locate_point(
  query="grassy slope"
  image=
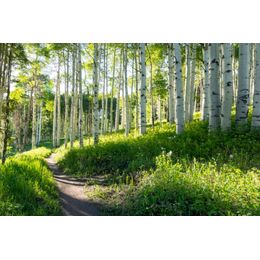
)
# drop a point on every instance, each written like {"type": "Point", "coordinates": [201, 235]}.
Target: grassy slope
{"type": "Point", "coordinates": [27, 187]}
{"type": "Point", "coordinates": [196, 173]}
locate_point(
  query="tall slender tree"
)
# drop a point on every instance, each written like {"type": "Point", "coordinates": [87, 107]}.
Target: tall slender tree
{"type": "Point", "coordinates": [80, 97]}
{"type": "Point", "coordinates": [171, 82]}
{"type": "Point", "coordinates": [143, 90]}
{"type": "Point", "coordinates": [112, 91]}
{"type": "Point", "coordinates": [179, 91]}
{"type": "Point", "coordinates": [214, 97]}
{"type": "Point", "coordinates": [127, 125]}
{"type": "Point", "coordinates": [256, 103]}
{"type": "Point", "coordinates": [243, 85]}
{"type": "Point", "coordinates": [205, 98]}
{"type": "Point", "coordinates": [9, 53]}
{"type": "Point", "coordinates": [188, 84]}
{"type": "Point", "coordinates": [95, 100]}
{"type": "Point", "coordinates": [228, 87]}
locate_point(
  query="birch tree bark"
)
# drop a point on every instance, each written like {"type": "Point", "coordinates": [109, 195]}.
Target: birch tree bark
{"type": "Point", "coordinates": [214, 97]}
{"type": "Point", "coordinates": [58, 105]}
{"type": "Point", "coordinates": [171, 83]}
{"type": "Point", "coordinates": [188, 86]}
{"type": "Point", "coordinates": [54, 123]}
{"type": "Point", "coordinates": [117, 119]}
{"type": "Point", "coordinates": [106, 92]}
{"type": "Point", "coordinates": [143, 90]}
{"type": "Point", "coordinates": [112, 92]}
{"type": "Point", "coordinates": [72, 105]}
{"type": "Point", "coordinates": [179, 91]}
{"type": "Point", "coordinates": [251, 73]}
{"type": "Point", "coordinates": [243, 85]}
{"type": "Point", "coordinates": [151, 95]}
{"type": "Point", "coordinates": [205, 97]}
{"type": "Point", "coordinates": [39, 124]}
{"type": "Point", "coordinates": [126, 93]}
{"type": "Point", "coordinates": [256, 103]}
{"type": "Point", "coordinates": [136, 90]}
{"type": "Point", "coordinates": [7, 110]}
{"type": "Point", "coordinates": [95, 100]}
{"type": "Point", "coordinates": [80, 97]}
{"type": "Point", "coordinates": [227, 87]}
{"type": "Point", "coordinates": [103, 90]}
{"type": "Point", "coordinates": [66, 127]}
{"type": "Point", "coordinates": [192, 81]}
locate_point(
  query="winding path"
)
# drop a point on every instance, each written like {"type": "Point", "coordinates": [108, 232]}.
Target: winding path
{"type": "Point", "coordinates": [71, 190]}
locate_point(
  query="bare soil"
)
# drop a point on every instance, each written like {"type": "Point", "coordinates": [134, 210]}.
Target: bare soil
{"type": "Point", "coordinates": [73, 200]}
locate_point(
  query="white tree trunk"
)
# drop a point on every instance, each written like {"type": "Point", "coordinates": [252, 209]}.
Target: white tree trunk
{"type": "Point", "coordinates": [256, 102]}
{"type": "Point", "coordinates": [106, 92]}
{"type": "Point", "coordinates": [58, 105]}
{"type": "Point", "coordinates": [34, 118]}
{"type": "Point", "coordinates": [143, 90]}
{"type": "Point", "coordinates": [243, 85]}
{"type": "Point", "coordinates": [95, 100]}
{"type": "Point", "coordinates": [252, 66]}
{"type": "Point", "coordinates": [136, 91]}
{"type": "Point", "coordinates": [192, 82]}
{"type": "Point", "coordinates": [72, 106]}
{"type": "Point", "coordinates": [227, 87]}
{"type": "Point", "coordinates": [112, 93]}
{"type": "Point", "coordinates": [205, 97]}
{"type": "Point", "coordinates": [54, 124]}
{"type": "Point", "coordinates": [80, 97]}
{"type": "Point", "coordinates": [126, 93]}
{"type": "Point", "coordinates": [103, 92]}
{"type": "Point", "coordinates": [187, 87]}
{"type": "Point", "coordinates": [171, 83]}
{"type": "Point", "coordinates": [117, 119]}
{"type": "Point", "coordinates": [214, 97]}
{"type": "Point", "coordinates": [66, 127]}
{"type": "Point", "coordinates": [179, 91]}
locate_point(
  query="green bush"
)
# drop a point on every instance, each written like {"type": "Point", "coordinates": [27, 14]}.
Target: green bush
{"type": "Point", "coordinates": [27, 186]}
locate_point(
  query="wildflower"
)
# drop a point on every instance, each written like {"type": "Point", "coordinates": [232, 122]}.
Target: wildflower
{"type": "Point", "coordinates": [169, 154]}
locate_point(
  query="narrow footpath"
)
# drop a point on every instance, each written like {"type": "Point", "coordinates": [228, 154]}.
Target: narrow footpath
{"type": "Point", "coordinates": [71, 190]}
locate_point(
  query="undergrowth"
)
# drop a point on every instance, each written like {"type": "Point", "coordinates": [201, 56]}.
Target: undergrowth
{"type": "Point", "coordinates": [161, 173]}
{"type": "Point", "coordinates": [27, 186]}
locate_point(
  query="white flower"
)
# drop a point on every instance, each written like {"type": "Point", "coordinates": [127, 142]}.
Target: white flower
{"type": "Point", "coordinates": [231, 156]}
{"type": "Point", "coordinates": [169, 154]}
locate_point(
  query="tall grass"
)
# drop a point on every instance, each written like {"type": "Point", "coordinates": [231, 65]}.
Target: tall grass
{"type": "Point", "coordinates": [206, 174]}
{"type": "Point", "coordinates": [27, 186]}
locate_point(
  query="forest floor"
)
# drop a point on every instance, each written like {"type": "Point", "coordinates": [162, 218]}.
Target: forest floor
{"type": "Point", "coordinates": [71, 190]}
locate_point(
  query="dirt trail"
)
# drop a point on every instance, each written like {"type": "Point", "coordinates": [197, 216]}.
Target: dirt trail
{"type": "Point", "coordinates": [72, 197]}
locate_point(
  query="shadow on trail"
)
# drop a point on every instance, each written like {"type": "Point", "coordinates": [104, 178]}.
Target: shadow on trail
{"type": "Point", "coordinates": [71, 191]}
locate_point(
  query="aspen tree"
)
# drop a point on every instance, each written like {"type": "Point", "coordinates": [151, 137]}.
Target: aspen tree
{"type": "Point", "coordinates": [179, 91]}
{"type": "Point", "coordinates": [205, 98]}
{"type": "Point", "coordinates": [214, 96]}
{"type": "Point", "coordinates": [126, 93]}
{"type": "Point", "coordinates": [143, 90]}
{"type": "Point", "coordinates": [256, 102]}
{"type": "Point", "coordinates": [243, 85]}
{"type": "Point", "coordinates": [95, 100]}
{"type": "Point", "coordinates": [227, 87]}
{"type": "Point", "coordinates": [171, 82]}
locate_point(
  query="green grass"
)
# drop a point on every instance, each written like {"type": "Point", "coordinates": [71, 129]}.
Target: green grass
{"type": "Point", "coordinates": [27, 187]}
{"type": "Point", "coordinates": [195, 188]}
{"type": "Point", "coordinates": [206, 173]}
